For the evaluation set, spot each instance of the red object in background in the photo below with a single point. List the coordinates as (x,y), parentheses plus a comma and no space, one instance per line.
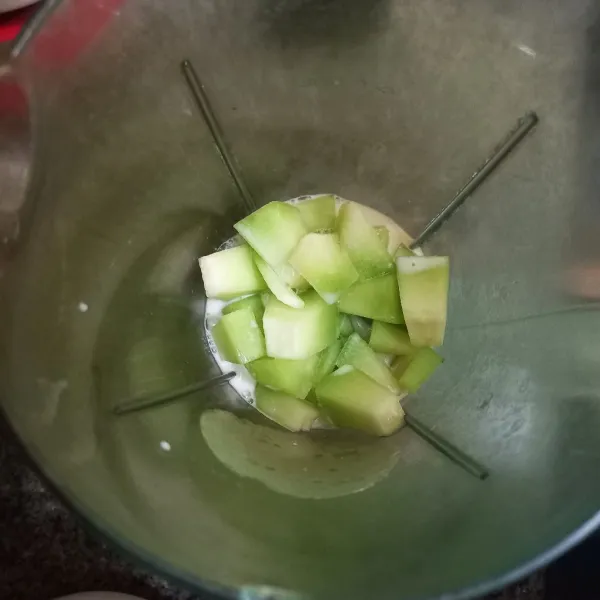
(75,26)
(11,23)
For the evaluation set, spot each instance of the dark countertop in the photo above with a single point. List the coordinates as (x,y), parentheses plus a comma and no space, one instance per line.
(45,553)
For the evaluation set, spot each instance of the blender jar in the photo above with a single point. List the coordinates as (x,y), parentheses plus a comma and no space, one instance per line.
(388,103)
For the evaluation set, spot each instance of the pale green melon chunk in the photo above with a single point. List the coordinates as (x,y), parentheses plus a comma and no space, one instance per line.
(351,399)
(293,377)
(326,266)
(280,290)
(366,250)
(238,337)
(312,398)
(412,371)
(404,251)
(273,231)
(386,359)
(384,234)
(291,277)
(423,283)
(345,326)
(361,326)
(400,364)
(374,299)
(375,219)
(390,339)
(254,303)
(318,213)
(289,412)
(358,354)
(265,297)
(297,333)
(327,360)
(231,273)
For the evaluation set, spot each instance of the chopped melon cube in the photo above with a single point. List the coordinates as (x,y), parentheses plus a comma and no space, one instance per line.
(351,399)
(265,297)
(231,273)
(403,251)
(326,266)
(318,213)
(386,359)
(365,248)
(297,333)
(374,299)
(390,339)
(273,231)
(423,282)
(400,364)
(312,398)
(361,326)
(357,353)
(327,360)
(384,234)
(289,412)
(291,277)
(254,303)
(345,326)
(238,337)
(293,377)
(375,218)
(280,290)
(412,371)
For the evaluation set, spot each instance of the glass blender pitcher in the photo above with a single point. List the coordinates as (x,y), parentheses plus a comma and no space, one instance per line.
(119,190)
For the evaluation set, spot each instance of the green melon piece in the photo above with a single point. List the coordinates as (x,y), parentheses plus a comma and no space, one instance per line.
(321,260)
(254,303)
(327,360)
(375,219)
(231,273)
(423,282)
(386,359)
(280,290)
(351,399)
(318,213)
(265,297)
(364,246)
(384,234)
(403,251)
(294,377)
(291,277)
(358,354)
(312,398)
(273,231)
(297,333)
(374,299)
(412,371)
(345,326)
(390,339)
(322,464)
(289,412)
(361,326)
(400,364)
(238,337)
